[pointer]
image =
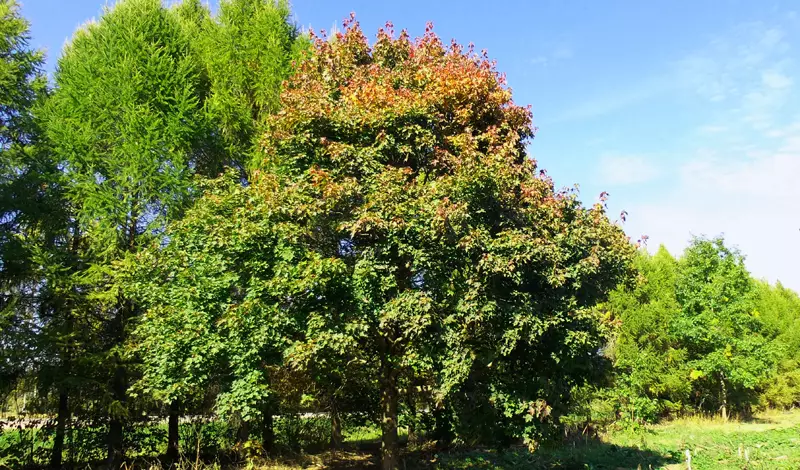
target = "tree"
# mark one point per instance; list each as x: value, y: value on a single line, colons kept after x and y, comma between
x: 692, y: 335
x: 22, y: 84
x: 463, y: 262
x: 244, y: 53
x: 246, y: 50
x: 127, y: 122
x: 226, y: 294
x: 719, y: 327
x: 38, y: 243
x: 393, y: 220
x: 649, y: 360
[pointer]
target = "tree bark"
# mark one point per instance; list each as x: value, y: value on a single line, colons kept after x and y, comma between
x: 115, y: 429
x: 723, y: 397
x: 173, y: 431
x: 336, y: 427
x: 243, y: 433
x: 389, y: 447
x: 412, y: 414
x: 268, y: 430
x: 61, y: 424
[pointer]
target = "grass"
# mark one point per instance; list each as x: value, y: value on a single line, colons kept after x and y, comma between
x: 770, y: 441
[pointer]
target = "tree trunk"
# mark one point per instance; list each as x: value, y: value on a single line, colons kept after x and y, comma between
x: 115, y: 429
x: 412, y: 414
x: 336, y: 427
x: 723, y: 397
x: 389, y: 460
x: 243, y: 433
x: 61, y: 424
x: 442, y: 429
x: 268, y: 430
x: 173, y: 431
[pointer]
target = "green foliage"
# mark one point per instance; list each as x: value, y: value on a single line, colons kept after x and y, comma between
x: 380, y: 232
x: 465, y: 267
x: 21, y: 84
x: 690, y: 335
x: 779, y: 310
x: 380, y: 249
x: 246, y: 51
x: 219, y: 294
x: 720, y: 328
x: 128, y: 125
x: 650, y: 361
x: 125, y: 117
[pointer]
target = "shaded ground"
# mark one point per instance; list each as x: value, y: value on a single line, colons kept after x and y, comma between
x: 770, y: 441
x: 591, y: 454
x: 596, y: 455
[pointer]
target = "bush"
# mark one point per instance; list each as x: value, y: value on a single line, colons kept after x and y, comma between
x: 302, y: 434
x: 784, y: 390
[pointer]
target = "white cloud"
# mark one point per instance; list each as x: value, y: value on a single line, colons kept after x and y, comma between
x: 618, y: 170
x: 752, y: 201
x: 725, y: 69
x: 722, y: 72
x: 562, y: 52
x: 775, y: 79
x: 744, y: 188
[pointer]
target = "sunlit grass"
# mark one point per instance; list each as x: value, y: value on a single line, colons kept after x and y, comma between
x: 770, y: 440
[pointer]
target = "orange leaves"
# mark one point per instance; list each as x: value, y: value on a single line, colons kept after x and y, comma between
x: 416, y: 95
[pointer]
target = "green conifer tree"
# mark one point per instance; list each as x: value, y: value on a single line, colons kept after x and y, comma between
x: 127, y: 121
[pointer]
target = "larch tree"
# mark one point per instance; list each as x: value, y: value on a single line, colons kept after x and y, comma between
x: 127, y: 122
x: 779, y: 309
x: 244, y: 53
x: 650, y: 361
x: 464, y: 263
x: 22, y: 84
x: 246, y: 50
x: 38, y: 242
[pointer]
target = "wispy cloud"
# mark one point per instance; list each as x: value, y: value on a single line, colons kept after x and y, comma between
x: 745, y: 68
x: 619, y: 170
x: 712, y: 129
x: 559, y: 52
x: 743, y: 183
x: 752, y: 201
x: 775, y: 79
x: 725, y: 67
x: 615, y: 100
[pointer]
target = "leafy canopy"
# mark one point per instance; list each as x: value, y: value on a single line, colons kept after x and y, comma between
x: 462, y: 258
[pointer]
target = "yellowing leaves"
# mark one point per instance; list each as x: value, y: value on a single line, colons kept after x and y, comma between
x: 696, y: 374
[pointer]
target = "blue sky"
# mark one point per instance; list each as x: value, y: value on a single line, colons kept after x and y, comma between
x: 686, y: 112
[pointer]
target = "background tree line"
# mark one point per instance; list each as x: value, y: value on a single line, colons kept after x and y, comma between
x: 214, y: 215
x: 696, y: 334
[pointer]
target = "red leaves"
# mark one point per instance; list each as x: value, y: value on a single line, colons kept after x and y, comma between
x: 348, y: 83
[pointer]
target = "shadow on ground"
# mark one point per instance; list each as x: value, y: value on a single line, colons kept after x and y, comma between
x: 592, y: 454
